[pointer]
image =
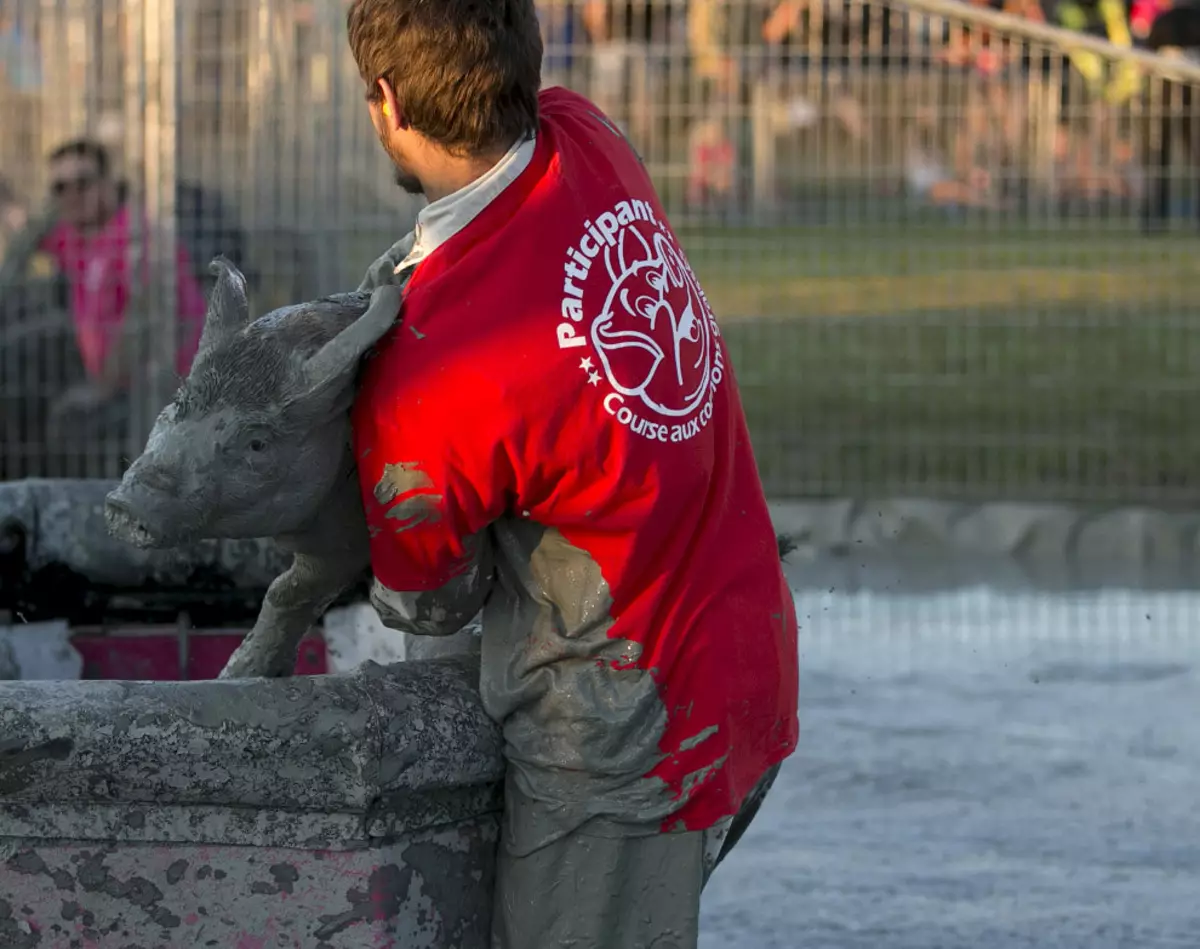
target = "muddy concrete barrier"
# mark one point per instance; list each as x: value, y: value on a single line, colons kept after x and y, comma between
x: 58, y: 561
x: 325, y: 811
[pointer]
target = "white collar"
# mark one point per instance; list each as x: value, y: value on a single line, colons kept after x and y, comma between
x: 445, y: 217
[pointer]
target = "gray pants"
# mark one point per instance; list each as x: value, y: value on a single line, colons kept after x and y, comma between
x: 591, y: 892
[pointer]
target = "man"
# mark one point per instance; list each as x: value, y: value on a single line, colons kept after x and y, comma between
x: 553, y: 433
x: 88, y: 233
x: 559, y: 37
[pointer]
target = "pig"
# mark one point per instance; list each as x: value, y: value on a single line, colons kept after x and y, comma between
x: 256, y: 443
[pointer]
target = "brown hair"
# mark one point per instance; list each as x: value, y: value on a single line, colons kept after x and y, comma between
x: 466, y: 72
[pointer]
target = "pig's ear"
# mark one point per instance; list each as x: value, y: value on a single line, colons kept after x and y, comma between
x: 330, y: 373
x: 228, y: 308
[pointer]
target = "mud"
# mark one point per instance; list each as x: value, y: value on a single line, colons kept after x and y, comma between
x: 321, y: 811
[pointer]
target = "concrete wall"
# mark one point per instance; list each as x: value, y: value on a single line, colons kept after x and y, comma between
x: 914, y: 543
x: 318, y: 811
x: 58, y: 525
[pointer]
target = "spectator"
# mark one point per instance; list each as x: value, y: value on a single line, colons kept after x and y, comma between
x: 983, y: 64
x: 712, y: 156
x: 1161, y: 28
x: 88, y: 233
x: 1082, y: 178
x: 559, y: 38
x: 1111, y: 83
x: 927, y: 177
x: 623, y: 70
x: 790, y: 30
x: 711, y: 166
x: 1143, y: 14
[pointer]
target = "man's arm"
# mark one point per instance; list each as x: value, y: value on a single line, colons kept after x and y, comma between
x: 431, y: 552
x: 431, y: 447
x: 445, y: 610
x: 448, y: 607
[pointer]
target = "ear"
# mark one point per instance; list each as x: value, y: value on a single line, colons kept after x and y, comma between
x: 228, y: 308
x: 330, y: 373
x: 390, y: 108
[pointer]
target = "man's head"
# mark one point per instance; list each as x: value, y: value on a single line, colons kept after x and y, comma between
x: 81, y: 183
x: 447, y: 80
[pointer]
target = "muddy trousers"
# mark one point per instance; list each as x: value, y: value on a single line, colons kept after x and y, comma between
x: 591, y: 892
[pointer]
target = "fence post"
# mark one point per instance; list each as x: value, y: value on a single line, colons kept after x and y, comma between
x: 762, y: 148
x: 151, y: 122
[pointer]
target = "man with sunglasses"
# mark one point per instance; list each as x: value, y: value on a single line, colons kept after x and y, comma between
x: 88, y: 232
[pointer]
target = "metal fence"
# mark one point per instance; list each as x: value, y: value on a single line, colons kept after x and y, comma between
x: 950, y: 247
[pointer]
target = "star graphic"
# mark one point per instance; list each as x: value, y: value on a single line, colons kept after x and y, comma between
x: 594, y: 378
x: 586, y: 363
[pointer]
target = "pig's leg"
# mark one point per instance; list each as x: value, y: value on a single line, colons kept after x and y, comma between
x: 294, y: 602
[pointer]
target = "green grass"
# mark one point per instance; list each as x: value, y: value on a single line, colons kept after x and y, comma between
x: 960, y: 360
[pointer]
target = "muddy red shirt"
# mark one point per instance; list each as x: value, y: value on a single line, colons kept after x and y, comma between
x: 98, y: 272
x: 557, y: 383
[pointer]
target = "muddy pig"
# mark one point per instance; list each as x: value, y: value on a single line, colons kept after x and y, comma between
x: 257, y: 444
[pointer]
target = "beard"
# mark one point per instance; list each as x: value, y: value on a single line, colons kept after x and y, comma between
x: 407, y: 182
x: 404, y: 179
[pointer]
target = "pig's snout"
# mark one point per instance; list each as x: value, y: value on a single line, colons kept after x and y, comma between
x: 123, y: 521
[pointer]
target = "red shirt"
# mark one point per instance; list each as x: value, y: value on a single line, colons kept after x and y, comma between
x: 557, y: 360
x: 97, y: 268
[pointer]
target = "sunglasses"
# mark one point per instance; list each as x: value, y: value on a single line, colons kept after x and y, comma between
x: 79, y: 185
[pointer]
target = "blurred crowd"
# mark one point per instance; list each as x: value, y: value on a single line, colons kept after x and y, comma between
x: 792, y: 66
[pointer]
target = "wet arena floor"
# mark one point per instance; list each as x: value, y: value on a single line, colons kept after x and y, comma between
x: 980, y: 769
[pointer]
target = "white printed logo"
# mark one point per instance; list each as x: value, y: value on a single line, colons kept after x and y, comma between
x: 631, y: 298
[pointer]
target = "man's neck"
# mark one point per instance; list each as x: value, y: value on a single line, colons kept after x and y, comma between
x: 453, y: 174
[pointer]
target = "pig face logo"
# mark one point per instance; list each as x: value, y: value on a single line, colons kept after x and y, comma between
x: 653, y: 335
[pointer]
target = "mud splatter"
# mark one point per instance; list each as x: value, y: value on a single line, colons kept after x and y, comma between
x: 382, y: 900
x: 176, y: 871
x: 401, y: 478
